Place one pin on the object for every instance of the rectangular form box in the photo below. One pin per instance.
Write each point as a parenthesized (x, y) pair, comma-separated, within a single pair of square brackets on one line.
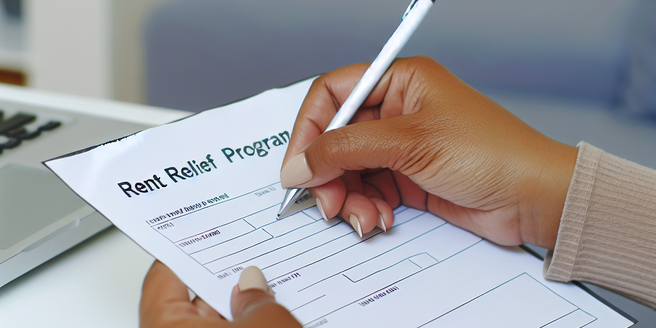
[(396, 271), (307, 251), (511, 304), (288, 224), (407, 214), (313, 212), (214, 236), (264, 217), (370, 268), (206, 217), (423, 260), (577, 318), (232, 247), (386, 249), (264, 254)]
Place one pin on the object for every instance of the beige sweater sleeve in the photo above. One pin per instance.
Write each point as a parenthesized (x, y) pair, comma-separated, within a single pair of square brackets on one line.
[(607, 233)]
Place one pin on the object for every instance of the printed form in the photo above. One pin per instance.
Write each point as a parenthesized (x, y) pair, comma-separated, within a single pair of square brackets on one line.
[(202, 194)]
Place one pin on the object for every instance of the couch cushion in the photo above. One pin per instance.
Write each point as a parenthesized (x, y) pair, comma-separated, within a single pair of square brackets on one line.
[(639, 96), (203, 53)]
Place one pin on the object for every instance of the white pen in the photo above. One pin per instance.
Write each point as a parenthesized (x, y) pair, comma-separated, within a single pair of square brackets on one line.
[(410, 21)]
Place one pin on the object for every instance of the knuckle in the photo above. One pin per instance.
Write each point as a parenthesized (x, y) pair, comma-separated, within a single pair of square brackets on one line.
[(421, 63), (427, 61), (336, 145), (319, 81), (419, 144)]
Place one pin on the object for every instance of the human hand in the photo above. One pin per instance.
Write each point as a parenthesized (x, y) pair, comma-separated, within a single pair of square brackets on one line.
[(425, 139), (165, 303)]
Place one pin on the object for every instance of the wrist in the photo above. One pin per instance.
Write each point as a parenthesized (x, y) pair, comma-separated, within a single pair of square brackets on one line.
[(547, 192)]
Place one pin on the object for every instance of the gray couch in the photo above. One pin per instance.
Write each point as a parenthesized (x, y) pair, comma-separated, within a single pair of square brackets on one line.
[(573, 69)]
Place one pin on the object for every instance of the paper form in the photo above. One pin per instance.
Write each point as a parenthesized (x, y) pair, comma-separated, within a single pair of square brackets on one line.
[(202, 195)]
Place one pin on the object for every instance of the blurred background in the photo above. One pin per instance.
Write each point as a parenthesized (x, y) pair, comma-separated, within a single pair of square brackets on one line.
[(198, 54), (573, 69)]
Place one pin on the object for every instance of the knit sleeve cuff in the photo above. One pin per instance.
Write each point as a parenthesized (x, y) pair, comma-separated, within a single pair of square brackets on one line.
[(574, 213), (608, 227)]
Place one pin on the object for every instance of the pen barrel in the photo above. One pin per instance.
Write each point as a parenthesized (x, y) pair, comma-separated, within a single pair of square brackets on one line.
[(370, 78), (380, 65)]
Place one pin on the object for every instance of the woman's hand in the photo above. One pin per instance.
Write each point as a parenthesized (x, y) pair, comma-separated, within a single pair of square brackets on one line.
[(165, 303), (425, 139)]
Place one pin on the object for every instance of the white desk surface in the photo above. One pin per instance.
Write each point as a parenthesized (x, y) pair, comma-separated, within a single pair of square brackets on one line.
[(98, 283), (95, 284), (98, 107)]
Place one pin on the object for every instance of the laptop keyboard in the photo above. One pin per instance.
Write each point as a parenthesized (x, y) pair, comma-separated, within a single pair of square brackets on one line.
[(20, 126)]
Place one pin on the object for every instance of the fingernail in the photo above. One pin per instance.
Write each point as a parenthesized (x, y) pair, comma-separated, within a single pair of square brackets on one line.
[(252, 278), (356, 224), (295, 172), (323, 214), (381, 223)]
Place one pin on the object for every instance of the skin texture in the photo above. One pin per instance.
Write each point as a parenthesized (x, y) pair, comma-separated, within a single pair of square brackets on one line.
[(425, 139), (165, 303)]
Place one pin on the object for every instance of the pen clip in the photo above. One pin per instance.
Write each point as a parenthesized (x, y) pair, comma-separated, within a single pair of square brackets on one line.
[(410, 6)]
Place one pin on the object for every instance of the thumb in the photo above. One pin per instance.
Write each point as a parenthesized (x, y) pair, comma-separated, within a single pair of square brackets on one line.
[(386, 143), (253, 305)]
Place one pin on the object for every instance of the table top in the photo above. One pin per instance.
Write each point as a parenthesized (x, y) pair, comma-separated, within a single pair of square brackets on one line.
[(94, 284), (98, 282), (123, 111)]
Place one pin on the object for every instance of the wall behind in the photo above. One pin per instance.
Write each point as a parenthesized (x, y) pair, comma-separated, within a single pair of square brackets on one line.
[(86, 47), (128, 78)]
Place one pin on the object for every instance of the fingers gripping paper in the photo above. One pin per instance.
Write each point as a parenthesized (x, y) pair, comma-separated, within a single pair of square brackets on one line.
[(202, 194)]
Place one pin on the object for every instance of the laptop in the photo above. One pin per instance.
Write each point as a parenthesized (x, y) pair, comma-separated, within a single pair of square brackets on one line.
[(40, 217)]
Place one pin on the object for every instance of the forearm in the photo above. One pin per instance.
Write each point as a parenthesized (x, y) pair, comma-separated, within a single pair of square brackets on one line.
[(607, 233)]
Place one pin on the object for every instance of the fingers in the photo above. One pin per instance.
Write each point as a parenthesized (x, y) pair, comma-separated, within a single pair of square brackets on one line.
[(360, 213), (384, 194), (165, 300), (330, 198), (412, 195), (369, 202), (253, 306), (399, 91), (389, 143), (322, 102), (161, 288), (251, 291), (385, 214), (205, 310), (385, 187), (392, 96), (381, 136)]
